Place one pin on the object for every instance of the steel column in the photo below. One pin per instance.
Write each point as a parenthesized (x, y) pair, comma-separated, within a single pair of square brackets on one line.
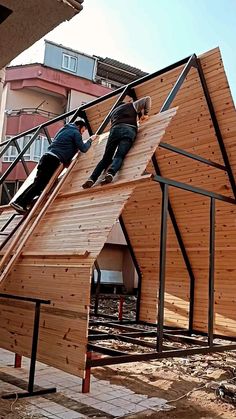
[(30, 391), (162, 266), (96, 303), (211, 273), (181, 245)]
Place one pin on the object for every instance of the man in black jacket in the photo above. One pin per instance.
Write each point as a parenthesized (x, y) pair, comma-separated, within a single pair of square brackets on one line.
[(67, 142), (121, 138)]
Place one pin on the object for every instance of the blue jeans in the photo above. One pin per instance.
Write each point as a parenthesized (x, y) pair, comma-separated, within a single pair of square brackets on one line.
[(119, 142)]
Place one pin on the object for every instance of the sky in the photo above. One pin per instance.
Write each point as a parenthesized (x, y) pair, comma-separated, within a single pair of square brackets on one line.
[(148, 34)]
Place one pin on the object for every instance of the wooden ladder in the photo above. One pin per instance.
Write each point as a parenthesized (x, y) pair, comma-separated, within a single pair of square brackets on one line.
[(15, 248)]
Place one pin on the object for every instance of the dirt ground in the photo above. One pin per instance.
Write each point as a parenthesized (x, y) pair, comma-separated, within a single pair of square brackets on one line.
[(11, 410), (172, 379)]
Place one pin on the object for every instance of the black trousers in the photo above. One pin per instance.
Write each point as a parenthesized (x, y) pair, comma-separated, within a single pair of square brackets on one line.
[(46, 168), (120, 140)]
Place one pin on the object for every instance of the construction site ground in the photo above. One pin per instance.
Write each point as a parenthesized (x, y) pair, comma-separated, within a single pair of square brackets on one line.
[(166, 389)]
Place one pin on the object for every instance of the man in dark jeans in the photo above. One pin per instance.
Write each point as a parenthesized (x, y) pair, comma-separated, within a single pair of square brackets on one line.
[(67, 142), (121, 138)]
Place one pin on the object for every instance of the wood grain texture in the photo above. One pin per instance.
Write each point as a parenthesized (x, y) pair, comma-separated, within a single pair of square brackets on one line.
[(56, 261)]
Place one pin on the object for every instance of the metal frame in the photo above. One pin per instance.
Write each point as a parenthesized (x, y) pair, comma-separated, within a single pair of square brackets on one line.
[(159, 330), (188, 63), (97, 291), (161, 297), (31, 391), (12, 232)]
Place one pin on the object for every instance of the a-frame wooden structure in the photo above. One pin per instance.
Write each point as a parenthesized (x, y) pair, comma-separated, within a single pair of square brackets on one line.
[(176, 203)]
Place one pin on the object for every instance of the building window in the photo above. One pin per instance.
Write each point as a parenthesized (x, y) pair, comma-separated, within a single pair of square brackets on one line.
[(34, 152), (40, 147), (69, 62)]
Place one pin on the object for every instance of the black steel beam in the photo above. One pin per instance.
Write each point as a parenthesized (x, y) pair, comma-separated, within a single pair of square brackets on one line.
[(216, 335), (12, 232), (96, 304), (155, 355), (121, 338), (84, 116), (34, 347), (171, 96), (9, 197), (77, 111), (34, 129), (20, 155), (28, 299), (162, 267), (104, 350), (191, 156), (108, 316), (31, 394), (8, 221), (167, 328), (194, 189), (100, 336), (22, 158), (216, 126), (211, 273), (184, 339), (45, 130), (117, 325), (107, 118), (136, 83)]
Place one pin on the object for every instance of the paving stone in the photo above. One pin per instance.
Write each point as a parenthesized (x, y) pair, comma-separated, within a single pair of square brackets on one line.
[(54, 408), (105, 396), (153, 401), (111, 409), (70, 415), (135, 398)]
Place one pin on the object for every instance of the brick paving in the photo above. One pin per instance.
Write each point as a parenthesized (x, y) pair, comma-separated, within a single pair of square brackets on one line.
[(105, 400)]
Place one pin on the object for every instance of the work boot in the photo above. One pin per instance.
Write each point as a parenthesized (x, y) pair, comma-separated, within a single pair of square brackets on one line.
[(18, 208), (108, 178), (88, 184)]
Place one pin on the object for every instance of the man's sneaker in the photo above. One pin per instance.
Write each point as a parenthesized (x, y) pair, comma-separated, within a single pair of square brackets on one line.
[(18, 208), (107, 179), (88, 184)]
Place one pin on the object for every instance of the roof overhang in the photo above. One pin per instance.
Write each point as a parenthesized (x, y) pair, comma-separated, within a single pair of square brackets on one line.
[(23, 23)]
